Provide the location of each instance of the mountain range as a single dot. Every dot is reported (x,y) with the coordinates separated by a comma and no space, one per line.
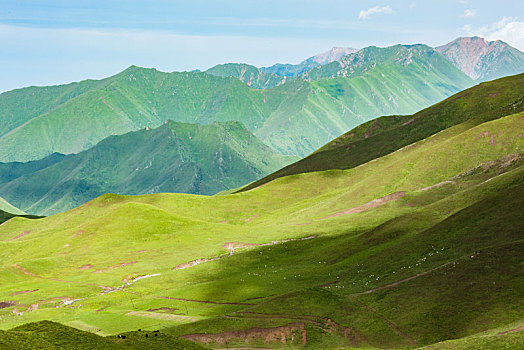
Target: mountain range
(411,240)
(65,133)
(294,118)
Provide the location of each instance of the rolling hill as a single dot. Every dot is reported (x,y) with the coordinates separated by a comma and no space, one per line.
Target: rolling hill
(175,157)
(420,245)
(483,60)
(390,133)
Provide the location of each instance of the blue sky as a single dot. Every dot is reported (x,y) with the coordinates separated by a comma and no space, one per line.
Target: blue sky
(51,42)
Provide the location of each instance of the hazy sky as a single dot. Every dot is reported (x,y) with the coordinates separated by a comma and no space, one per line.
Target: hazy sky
(51,42)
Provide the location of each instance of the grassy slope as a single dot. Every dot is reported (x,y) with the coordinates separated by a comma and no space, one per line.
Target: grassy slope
(8,207)
(50,335)
(152,234)
(176,157)
(137,97)
(387,134)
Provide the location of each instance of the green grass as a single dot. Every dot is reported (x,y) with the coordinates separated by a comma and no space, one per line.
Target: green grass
(387,134)
(50,335)
(446,255)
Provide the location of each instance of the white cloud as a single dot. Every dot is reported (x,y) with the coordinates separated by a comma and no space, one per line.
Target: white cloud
(366,14)
(469,13)
(508,29)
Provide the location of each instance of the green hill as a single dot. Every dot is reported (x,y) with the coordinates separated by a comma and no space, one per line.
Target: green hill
(50,335)
(175,157)
(419,245)
(8,207)
(294,118)
(387,134)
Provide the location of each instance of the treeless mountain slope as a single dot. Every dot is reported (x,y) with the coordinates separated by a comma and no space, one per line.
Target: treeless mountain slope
(175,157)
(483,60)
(487,101)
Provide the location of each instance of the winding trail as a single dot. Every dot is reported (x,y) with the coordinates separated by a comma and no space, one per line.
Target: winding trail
(394,284)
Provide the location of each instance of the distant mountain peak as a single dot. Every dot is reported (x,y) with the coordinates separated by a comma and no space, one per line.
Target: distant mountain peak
(293,70)
(334,54)
(482,59)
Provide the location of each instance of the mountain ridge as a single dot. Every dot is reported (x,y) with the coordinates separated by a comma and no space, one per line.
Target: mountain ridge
(175,157)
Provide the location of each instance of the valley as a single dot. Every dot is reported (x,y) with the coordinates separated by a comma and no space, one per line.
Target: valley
(403,233)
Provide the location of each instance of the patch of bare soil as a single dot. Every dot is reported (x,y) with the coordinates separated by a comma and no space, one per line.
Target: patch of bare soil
(410,121)
(24,292)
(192,263)
(86,267)
(78,233)
(6,304)
(325,324)
(293,333)
(20,235)
(440,184)
(492,137)
(375,203)
(251,218)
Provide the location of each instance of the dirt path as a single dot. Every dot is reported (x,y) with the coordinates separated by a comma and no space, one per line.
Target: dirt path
(518,329)
(389,323)
(394,284)
(205,301)
(20,235)
(232,246)
(375,203)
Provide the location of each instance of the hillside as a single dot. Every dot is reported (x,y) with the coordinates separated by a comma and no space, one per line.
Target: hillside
(5,206)
(294,118)
(483,60)
(175,157)
(293,70)
(250,75)
(387,134)
(430,253)
(50,335)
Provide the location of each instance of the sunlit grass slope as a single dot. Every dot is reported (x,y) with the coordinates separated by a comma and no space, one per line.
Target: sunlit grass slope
(381,136)
(420,245)
(53,336)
